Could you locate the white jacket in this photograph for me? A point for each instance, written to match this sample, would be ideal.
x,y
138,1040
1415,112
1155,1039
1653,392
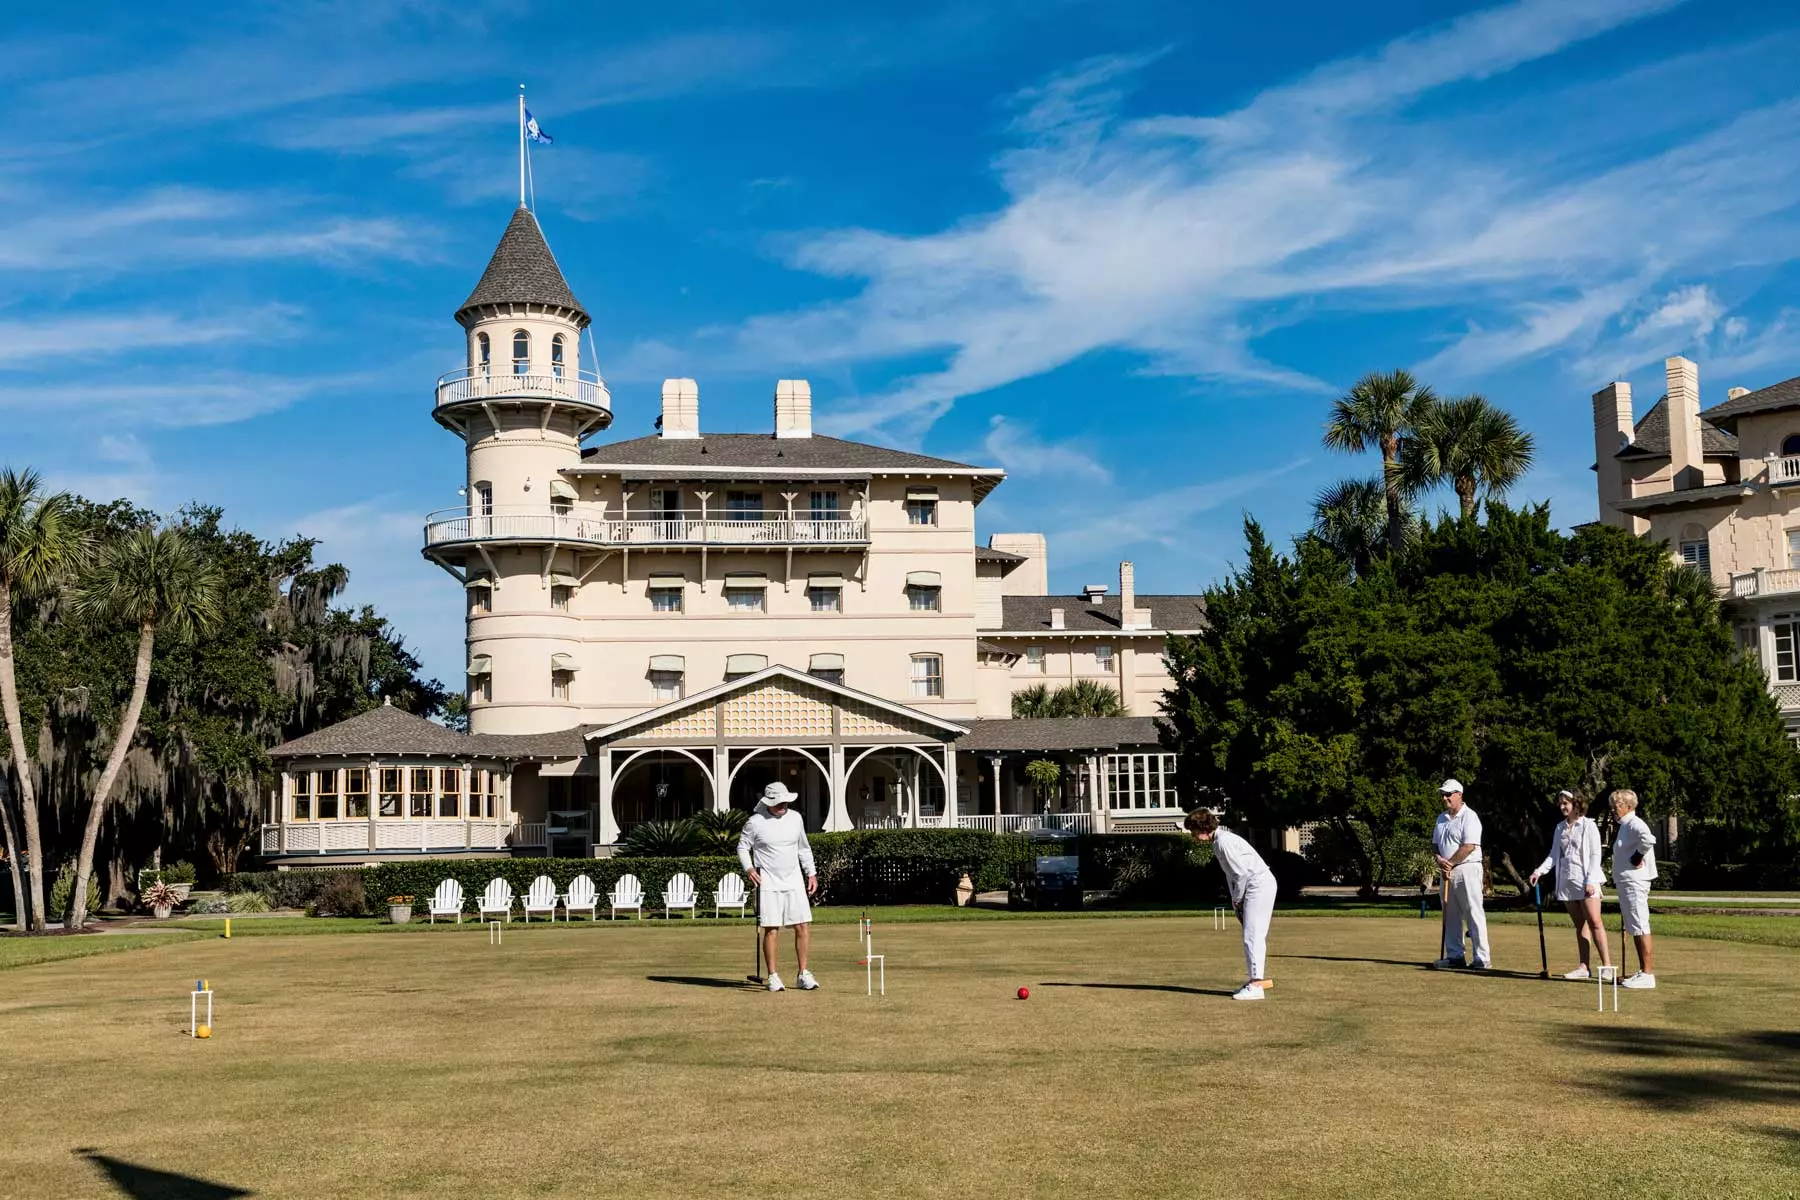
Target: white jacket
x,y
1575,857
1634,837
778,849
1240,862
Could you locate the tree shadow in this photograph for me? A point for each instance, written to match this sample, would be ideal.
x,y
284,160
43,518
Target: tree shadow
x,y
148,1183
700,981
1145,987
1685,1072
1490,972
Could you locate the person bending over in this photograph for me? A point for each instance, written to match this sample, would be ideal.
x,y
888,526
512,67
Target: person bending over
x,y
1575,858
1252,887
775,854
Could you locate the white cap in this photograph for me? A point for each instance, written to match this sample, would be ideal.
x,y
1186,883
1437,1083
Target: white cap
x,y
777,793
1450,785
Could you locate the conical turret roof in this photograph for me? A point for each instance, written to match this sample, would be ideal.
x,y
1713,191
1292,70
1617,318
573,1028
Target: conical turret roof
x,y
523,271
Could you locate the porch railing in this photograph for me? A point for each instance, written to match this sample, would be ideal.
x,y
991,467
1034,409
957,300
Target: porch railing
x,y
361,837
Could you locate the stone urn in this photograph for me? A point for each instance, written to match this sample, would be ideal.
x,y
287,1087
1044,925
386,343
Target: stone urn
x,y
965,890
161,912
181,890
399,914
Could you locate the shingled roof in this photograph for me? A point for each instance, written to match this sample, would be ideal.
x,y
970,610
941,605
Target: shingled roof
x,y
388,731
763,451
1650,437
523,271
1773,398
1059,733
1031,614
1005,558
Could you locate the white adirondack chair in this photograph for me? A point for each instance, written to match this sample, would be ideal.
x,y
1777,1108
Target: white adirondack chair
x,y
497,899
581,898
446,901
628,893
731,894
540,897
680,894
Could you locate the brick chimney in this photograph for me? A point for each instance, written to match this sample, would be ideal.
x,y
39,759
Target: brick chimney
x,y
680,408
1686,461
1056,619
1612,429
1130,615
793,408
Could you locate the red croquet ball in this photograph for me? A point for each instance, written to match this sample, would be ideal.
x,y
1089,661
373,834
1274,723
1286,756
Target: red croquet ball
x,y
1024,993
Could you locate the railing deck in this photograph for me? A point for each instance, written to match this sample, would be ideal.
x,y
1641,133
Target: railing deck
x,y
1752,584
575,387
589,525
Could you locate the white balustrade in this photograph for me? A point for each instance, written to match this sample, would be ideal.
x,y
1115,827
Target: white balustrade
x,y
1785,469
577,387
1765,583
589,524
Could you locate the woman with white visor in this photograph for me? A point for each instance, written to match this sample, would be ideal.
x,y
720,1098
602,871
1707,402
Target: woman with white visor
x,y
1575,858
1634,866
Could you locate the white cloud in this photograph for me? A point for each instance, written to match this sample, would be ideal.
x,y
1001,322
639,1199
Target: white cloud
x,y
1164,518
43,341
170,403
1018,449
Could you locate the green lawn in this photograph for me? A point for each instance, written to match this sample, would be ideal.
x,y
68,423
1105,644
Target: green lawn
x,y
632,1061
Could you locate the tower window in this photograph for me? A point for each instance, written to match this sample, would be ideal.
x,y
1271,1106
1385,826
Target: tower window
x,y
484,354
521,352
559,684
556,356
923,599
559,597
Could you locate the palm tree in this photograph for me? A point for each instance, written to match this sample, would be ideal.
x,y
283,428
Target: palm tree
x,y
1086,698
1377,414
38,545
154,579
1470,444
1351,518
1034,701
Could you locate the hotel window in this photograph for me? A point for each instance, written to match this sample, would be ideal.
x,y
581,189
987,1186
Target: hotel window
x,y
927,675
302,796
481,599
665,685
559,684
556,356
1793,547
1790,446
1695,551
921,506
1034,659
521,352
1103,657
828,666
356,792
739,665
481,689
923,599
665,505
822,506
744,506
665,598
559,596
418,792
1141,781
392,804
824,599
449,792
484,354
325,788
743,597
1785,629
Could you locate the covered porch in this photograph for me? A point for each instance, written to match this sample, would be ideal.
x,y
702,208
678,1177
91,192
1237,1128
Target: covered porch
x,y
1112,776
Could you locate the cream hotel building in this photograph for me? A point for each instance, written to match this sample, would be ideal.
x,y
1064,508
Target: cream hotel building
x,y
665,624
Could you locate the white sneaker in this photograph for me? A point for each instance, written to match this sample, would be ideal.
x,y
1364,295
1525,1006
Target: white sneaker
x,y
1248,992
1640,980
1579,973
775,983
806,981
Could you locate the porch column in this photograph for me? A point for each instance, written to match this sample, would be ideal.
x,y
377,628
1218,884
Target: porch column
x,y
950,789
995,763
908,782
838,817
609,823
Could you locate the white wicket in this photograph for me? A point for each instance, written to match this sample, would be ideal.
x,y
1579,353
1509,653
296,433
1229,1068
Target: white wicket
x,y
1600,978
870,958
1221,919
496,937
194,1011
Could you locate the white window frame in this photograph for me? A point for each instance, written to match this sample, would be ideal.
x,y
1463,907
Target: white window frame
x,y
560,594
521,366
668,685
736,597
1141,782
1034,660
920,598
926,676
1104,658
921,510
667,599
561,684
1784,630
833,599
1697,552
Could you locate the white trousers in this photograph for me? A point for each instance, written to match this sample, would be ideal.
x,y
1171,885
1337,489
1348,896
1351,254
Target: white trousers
x,y
1254,914
1465,909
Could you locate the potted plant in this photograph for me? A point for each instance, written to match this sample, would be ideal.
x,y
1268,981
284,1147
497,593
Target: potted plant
x,y
161,900
399,909
181,878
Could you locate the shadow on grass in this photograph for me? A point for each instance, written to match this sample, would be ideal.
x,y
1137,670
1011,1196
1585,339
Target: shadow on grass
x,y
147,1183
1491,972
1684,1072
1145,987
708,981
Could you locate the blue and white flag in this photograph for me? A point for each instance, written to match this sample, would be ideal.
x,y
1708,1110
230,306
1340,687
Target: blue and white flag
x,y
534,132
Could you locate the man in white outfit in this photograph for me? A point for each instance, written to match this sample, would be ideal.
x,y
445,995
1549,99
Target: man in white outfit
x,y
1634,866
1457,840
775,854
1252,887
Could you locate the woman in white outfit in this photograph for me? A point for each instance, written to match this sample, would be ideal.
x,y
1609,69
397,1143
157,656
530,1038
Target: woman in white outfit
x,y
1575,858
1634,866
1252,887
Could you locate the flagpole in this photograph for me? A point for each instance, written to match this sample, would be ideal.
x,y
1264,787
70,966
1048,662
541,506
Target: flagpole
x,y
521,145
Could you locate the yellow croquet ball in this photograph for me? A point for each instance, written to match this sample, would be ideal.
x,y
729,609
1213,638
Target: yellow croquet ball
x,y
204,1031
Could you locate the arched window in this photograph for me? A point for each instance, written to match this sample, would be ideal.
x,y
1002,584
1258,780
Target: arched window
x,y
521,352
484,354
1790,445
556,356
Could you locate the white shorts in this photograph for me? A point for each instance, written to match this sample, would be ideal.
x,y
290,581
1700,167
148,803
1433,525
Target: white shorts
x,y
1634,905
774,910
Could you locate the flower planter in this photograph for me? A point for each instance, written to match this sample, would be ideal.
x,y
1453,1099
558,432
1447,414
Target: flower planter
x,y
161,912
181,890
399,914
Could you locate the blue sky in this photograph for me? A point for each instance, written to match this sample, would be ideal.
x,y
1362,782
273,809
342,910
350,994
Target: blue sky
x,y
1128,251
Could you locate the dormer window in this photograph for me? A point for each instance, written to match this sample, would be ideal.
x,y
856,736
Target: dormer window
x,y
556,356
484,355
521,352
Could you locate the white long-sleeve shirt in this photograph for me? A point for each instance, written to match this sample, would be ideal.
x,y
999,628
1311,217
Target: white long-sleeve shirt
x,y
1240,862
1634,837
1575,857
777,848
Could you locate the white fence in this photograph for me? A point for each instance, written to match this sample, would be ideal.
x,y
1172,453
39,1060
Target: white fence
x,y
360,837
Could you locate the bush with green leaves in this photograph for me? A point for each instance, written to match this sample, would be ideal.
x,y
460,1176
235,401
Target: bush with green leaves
x,y
661,839
1399,858
181,872
718,832
284,889
246,902
342,896
202,904
62,891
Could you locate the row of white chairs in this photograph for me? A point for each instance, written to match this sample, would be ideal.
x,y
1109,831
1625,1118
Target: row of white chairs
x,y
627,895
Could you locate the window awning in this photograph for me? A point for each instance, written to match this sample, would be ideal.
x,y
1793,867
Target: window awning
x,y
826,662
481,664
825,579
563,662
568,581
562,489
746,579
744,664
667,662
924,579
667,579
921,493
483,580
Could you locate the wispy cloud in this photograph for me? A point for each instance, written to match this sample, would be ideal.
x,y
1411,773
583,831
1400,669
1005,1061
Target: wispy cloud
x,y
1164,518
1018,448
32,342
172,402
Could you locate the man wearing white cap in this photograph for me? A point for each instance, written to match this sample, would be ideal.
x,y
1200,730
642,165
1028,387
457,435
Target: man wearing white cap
x,y
778,859
1457,840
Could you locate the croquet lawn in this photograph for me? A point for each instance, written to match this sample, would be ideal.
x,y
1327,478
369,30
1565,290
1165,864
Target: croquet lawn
x,y
633,1060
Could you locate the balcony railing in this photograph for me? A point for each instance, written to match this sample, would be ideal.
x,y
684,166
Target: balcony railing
x,y
576,387
1752,584
1784,470
364,836
590,526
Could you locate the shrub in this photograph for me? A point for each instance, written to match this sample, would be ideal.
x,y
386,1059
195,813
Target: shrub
x,y
181,872
208,905
342,896
62,891
246,902
161,895
1400,860
283,889
900,866
662,839
1166,867
718,832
